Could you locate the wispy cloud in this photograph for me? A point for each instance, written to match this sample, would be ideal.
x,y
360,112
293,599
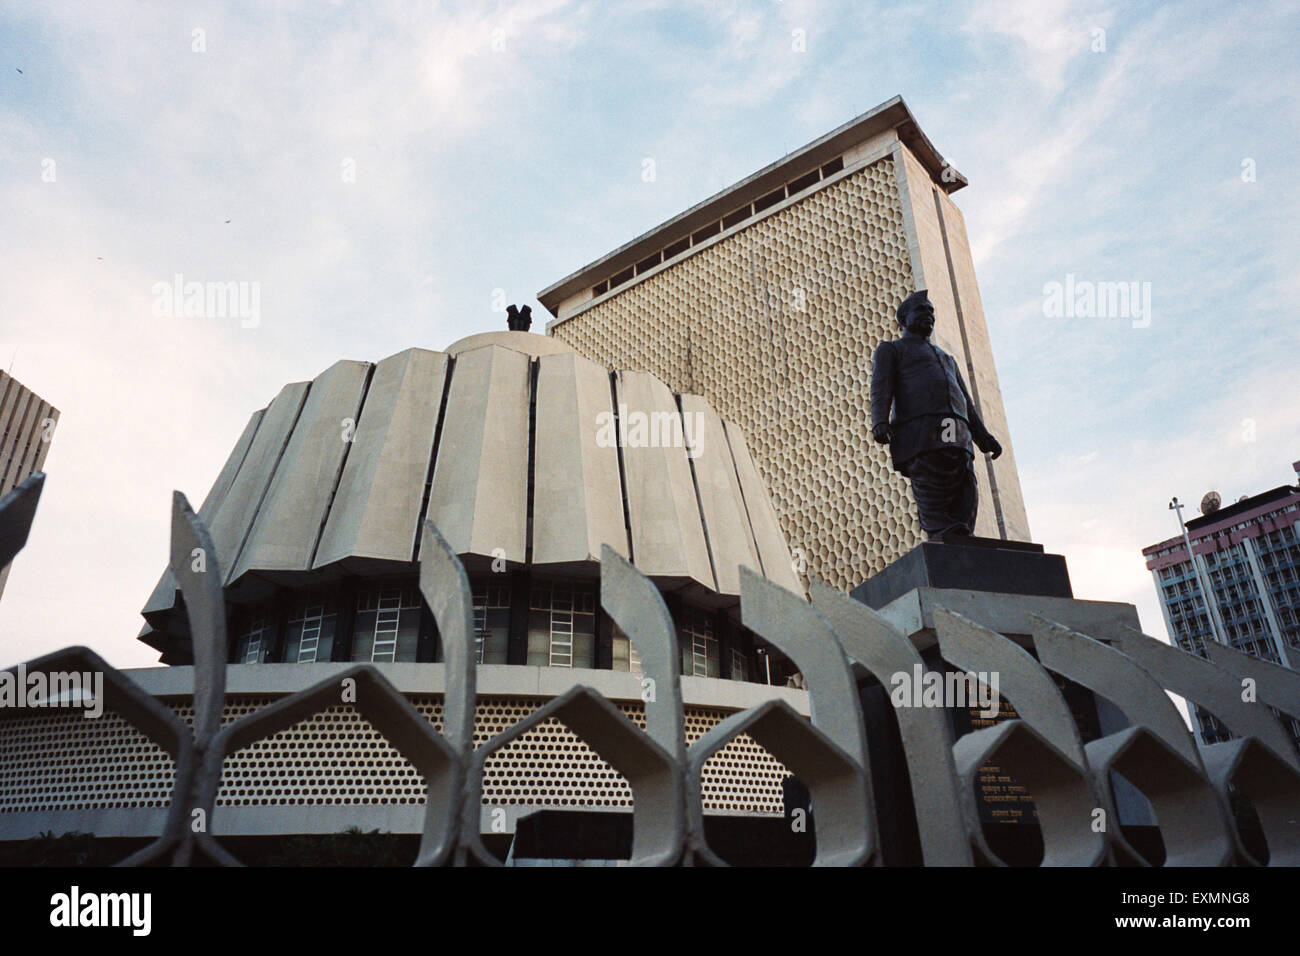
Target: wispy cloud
x,y
501,145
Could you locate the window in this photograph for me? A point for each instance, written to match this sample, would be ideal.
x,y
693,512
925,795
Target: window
x,y
562,625
739,216
677,248
803,182
491,623
311,633
625,657
254,643
700,653
649,262
388,625
739,666
712,229
770,200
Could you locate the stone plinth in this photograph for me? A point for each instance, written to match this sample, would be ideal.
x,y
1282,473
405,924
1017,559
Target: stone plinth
x,y
969,564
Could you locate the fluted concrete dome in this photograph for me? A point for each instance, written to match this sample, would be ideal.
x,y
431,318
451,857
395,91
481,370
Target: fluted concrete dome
x,y
530,343
510,443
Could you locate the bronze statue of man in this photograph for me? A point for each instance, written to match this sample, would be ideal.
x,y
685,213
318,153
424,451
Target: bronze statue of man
x,y
933,424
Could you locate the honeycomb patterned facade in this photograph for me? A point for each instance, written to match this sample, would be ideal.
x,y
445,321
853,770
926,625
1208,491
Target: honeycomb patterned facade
x,y
775,324
62,761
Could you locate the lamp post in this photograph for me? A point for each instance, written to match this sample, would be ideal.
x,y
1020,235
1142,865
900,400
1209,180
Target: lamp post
x,y
1176,506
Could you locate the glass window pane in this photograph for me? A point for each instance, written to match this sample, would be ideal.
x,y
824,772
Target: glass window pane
x,y
584,650
562,624
739,666
622,657
498,642
254,643
491,622
539,637
700,650
310,636
363,636
387,625
408,635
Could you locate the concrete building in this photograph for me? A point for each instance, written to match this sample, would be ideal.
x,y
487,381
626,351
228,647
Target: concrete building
x,y
527,457
538,740
27,424
629,427
1248,555
769,298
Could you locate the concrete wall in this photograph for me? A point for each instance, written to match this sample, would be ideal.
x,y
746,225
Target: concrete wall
x,y
943,265
377,507
479,499
336,475
577,497
113,781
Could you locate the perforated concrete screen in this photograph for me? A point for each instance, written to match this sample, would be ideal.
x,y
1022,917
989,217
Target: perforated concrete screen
x,y
51,762
776,324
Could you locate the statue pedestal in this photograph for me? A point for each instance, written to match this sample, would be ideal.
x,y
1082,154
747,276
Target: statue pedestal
x,y
1004,587
970,564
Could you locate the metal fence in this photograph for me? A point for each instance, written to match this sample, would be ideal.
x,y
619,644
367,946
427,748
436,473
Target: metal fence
x,y
831,638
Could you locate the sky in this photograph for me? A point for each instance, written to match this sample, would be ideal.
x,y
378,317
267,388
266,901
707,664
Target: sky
x,y
386,173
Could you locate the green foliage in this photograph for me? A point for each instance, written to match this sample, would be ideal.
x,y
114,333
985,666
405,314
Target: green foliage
x,y
70,849
352,847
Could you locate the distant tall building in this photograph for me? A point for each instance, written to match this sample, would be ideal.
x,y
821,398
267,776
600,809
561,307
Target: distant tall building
x,y
1248,554
769,299
26,427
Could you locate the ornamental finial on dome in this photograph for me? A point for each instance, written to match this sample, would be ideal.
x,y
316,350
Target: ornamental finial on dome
x,y
519,320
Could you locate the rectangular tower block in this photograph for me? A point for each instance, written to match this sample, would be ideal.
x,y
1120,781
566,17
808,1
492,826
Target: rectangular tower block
x,y
769,299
